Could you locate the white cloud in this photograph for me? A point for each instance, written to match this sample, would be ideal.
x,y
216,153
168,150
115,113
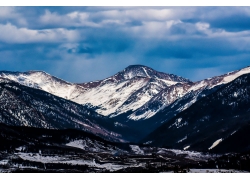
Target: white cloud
x,y
9,13
120,16
145,14
156,21
51,18
12,34
202,26
153,29
75,18
221,12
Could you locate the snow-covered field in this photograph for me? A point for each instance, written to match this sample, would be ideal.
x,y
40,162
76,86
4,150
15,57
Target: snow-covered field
x,y
72,160
4,162
189,154
93,146
67,159
216,171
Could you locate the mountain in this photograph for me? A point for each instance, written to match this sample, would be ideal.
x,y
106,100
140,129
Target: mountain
x,y
24,106
125,91
137,100
46,122
44,81
172,100
178,97
211,122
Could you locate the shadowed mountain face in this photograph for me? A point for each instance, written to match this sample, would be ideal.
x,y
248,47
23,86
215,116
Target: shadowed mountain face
x,y
29,149
13,137
25,106
211,122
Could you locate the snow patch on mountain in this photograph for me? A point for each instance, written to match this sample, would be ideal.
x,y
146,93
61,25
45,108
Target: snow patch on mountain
x,y
110,96
182,139
46,82
215,143
136,149
92,145
81,144
233,76
147,114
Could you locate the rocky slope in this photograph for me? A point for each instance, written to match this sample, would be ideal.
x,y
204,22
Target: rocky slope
x,y
209,121
24,106
179,97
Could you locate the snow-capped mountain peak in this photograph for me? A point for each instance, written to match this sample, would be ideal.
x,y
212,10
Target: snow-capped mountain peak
x,y
147,72
135,70
44,81
127,90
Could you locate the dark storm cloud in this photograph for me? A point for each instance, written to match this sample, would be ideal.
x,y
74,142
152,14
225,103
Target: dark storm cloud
x,y
232,23
80,50
227,18
188,48
134,23
88,43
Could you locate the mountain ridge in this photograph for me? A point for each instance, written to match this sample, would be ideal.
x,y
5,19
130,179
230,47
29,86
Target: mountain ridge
x,y
132,78
200,88
209,121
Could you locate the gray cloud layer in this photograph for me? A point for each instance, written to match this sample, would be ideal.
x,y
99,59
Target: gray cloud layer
x,y
87,43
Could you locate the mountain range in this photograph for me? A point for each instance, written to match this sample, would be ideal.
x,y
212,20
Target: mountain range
x,y
137,105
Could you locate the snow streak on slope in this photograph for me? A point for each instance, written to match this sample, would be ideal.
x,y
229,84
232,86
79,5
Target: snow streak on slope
x,y
110,96
215,143
160,101
127,90
234,75
141,96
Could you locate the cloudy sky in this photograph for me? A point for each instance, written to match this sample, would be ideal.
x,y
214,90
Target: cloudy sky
x,y
81,44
